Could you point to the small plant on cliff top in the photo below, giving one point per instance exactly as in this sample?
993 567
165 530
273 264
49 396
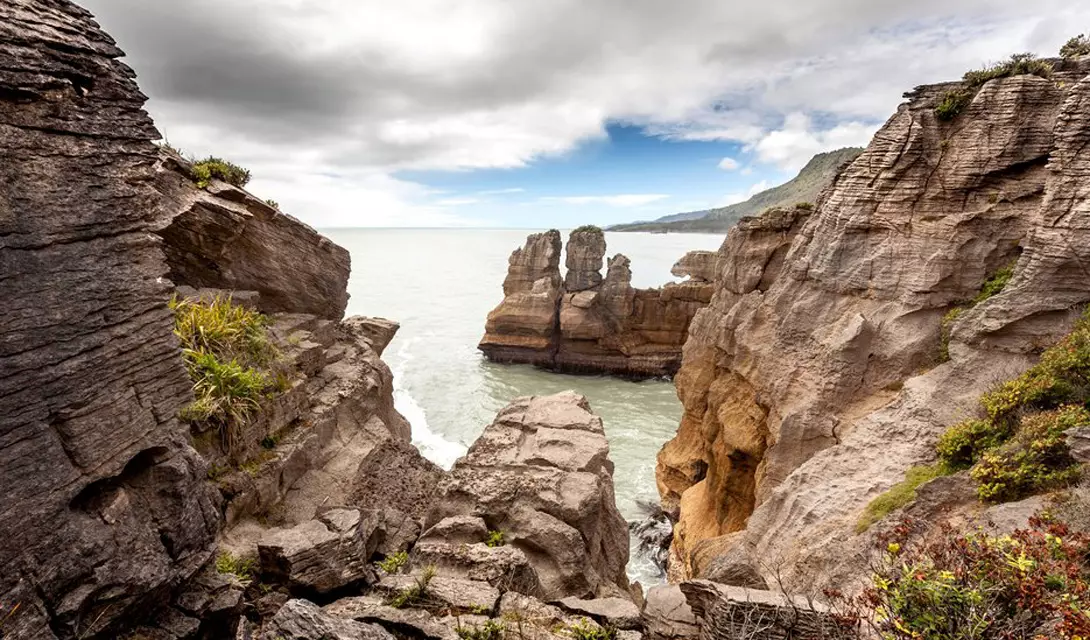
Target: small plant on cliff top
229 563
587 228
494 539
955 101
952 103
204 171
416 594
1076 47
393 562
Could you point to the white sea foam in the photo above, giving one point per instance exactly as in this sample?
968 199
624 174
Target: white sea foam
433 446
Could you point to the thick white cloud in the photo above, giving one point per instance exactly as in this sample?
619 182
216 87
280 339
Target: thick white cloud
620 200
362 89
729 164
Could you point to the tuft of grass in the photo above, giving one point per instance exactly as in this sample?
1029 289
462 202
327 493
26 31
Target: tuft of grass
204 171
393 563
584 629
587 228
224 347
1076 47
490 630
243 568
416 594
952 103
898 495
494 539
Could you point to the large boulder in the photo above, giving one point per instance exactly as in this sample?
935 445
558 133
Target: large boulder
303 620
541 475
322 555
104 504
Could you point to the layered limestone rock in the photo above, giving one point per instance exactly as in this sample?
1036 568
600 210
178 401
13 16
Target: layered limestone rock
816 376
540 475
222 237
104 504
586 323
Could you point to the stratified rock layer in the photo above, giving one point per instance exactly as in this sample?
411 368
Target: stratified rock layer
801 381
586 323
104 505
541 475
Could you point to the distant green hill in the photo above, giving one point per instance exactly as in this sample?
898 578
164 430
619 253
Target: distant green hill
805 187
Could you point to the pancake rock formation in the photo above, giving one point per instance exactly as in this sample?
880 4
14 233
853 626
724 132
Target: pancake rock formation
819 373
587 323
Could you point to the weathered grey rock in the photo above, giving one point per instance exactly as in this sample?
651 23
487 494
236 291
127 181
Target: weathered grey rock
303 620
726 613
464 596
321 555
532 617
505 568
457 529
614 612
414 623
377 332
104 505
586 248
699 266
812 381
225 238
1079 441
666 614
541 474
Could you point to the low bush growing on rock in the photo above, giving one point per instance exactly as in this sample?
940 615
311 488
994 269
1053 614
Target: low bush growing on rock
490 630
587 228
1034 583
416 594
955 101
494 539
584 629
952 103
242 568
1076 47
226 351
393 563
1018 447
204 171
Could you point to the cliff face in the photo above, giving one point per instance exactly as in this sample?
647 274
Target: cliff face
584 323
104 505
816 376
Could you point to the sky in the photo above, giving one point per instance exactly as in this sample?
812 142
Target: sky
531 114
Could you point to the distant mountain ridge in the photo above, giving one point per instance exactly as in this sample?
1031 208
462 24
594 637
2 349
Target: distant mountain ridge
805 187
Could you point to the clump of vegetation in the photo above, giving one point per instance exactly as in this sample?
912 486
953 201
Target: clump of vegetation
494 539
225 347
1018 448
584 629
416 594
955 101
1076 47
804 206
991 287
587 228
393 563
242 568
272 203
204 171
898 495
490 630
1030 584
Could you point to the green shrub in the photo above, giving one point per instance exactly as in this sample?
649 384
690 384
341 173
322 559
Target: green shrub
898 495
804 206
491 630
587 228
584 629
962 445
1076 47
1036 459
416 594
393 563
955 586
222 347
228 563
494 539
996 283
204 171
1019 64
272 203
952 103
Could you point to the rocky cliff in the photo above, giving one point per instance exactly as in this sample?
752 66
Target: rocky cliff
820 371
584 323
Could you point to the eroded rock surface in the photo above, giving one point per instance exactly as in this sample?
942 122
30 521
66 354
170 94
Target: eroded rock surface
586 323
104 506
541 475
815 377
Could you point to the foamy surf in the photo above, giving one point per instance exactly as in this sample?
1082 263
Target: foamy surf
432 446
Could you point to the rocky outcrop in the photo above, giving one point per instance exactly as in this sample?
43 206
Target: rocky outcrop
541 477
726 613
222 237
698 266
586 323
303 620
104 506
816 376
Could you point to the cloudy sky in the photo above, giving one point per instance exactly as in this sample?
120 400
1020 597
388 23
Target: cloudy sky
530 113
